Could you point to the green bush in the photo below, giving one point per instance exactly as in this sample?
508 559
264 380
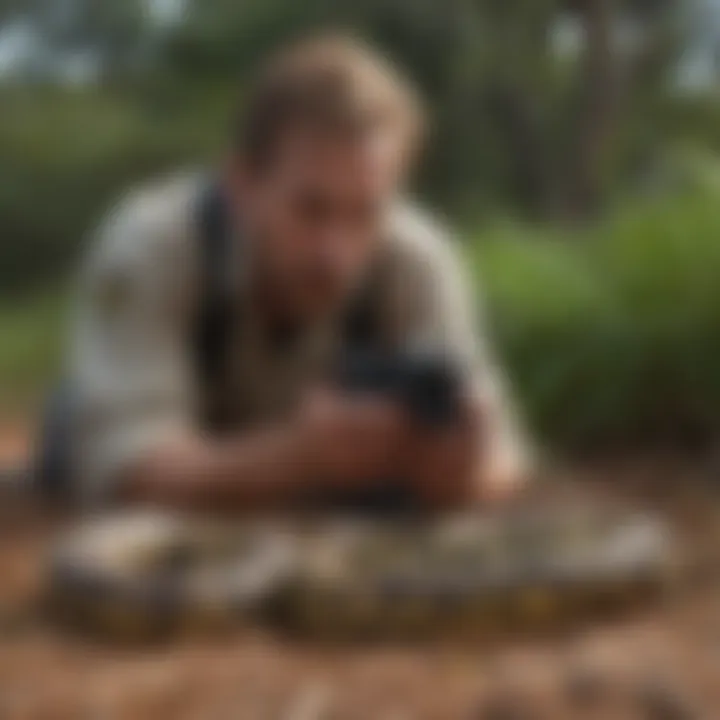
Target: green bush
612 335
65 156
33 335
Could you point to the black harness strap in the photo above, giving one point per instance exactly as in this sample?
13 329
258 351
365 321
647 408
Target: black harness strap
216 313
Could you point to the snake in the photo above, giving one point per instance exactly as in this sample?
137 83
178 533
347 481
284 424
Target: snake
471 576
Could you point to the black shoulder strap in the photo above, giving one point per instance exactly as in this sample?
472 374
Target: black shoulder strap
216 314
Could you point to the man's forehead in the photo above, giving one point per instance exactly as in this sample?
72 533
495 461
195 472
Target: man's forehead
368 162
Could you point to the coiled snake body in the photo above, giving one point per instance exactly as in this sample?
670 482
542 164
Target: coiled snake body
146 575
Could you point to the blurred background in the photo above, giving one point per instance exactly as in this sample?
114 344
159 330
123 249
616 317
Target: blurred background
575 148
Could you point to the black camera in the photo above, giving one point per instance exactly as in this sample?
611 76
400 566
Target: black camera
427 386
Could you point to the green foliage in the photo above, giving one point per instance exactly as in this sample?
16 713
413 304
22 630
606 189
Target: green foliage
65 156
33 333
517 126
612 338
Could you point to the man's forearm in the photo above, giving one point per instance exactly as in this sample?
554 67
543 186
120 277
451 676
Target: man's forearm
263 470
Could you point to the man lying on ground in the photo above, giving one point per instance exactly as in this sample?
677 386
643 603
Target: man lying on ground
214 309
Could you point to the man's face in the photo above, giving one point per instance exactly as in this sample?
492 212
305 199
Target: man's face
316 212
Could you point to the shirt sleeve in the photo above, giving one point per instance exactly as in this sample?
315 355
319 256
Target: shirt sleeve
129 359
438 310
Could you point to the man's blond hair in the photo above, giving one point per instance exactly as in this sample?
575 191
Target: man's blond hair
331 84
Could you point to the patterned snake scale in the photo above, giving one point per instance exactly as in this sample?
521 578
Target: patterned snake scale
147 576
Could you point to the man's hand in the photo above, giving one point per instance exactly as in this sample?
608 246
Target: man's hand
350 441
443 464
461 465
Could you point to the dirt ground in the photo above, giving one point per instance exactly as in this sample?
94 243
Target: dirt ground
662 663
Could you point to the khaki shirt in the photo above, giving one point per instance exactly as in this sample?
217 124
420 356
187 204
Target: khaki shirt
132 362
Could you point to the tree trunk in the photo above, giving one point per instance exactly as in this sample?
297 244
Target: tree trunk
597 112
